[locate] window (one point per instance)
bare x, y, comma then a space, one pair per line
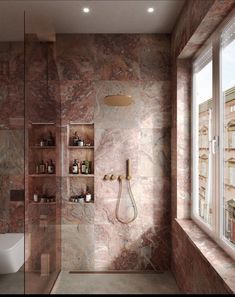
203, 107
232, 108
213, 137
232, 173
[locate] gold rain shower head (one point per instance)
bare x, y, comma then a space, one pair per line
118, 100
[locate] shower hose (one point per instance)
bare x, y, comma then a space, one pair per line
132, 201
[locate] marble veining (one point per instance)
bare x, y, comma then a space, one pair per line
137, 65
199, 264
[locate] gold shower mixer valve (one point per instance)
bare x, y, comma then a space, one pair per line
114, 177
110, 177
121, 177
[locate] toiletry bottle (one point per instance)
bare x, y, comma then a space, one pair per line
42, 167
80, 142
42, 142
75, 167
51, 167
83, 171
87, 167
75, 139
88, 195
50, 139
35, 196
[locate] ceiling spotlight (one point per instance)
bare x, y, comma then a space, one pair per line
86, 9
150, 10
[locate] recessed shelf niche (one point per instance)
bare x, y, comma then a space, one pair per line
78, 183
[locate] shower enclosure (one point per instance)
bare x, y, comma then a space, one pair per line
42, 161
30, 178
55, 112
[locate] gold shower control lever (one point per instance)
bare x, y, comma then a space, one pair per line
106, 177
113, 177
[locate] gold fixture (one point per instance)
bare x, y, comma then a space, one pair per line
128, 169
106, 177
118, 100
121, 177
113, 177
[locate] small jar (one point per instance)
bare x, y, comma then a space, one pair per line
42, 143
80, 142
35, 197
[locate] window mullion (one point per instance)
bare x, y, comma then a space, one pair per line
217, 118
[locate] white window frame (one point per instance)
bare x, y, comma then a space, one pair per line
215, 230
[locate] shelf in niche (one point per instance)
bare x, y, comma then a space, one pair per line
77, 203
80, 147
43, 123
74, 123
42, 175
81, 175
42, 147
43, 203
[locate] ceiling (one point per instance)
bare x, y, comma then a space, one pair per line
106, 16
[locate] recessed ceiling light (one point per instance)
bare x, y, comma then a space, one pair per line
150, 9
86, 9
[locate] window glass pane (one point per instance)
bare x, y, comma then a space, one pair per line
228, 97
203, 133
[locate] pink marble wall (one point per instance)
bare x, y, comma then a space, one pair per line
194, 274
11, 135
181, 140
197, 20
89, 67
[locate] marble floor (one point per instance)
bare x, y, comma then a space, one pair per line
115, 283
12, 283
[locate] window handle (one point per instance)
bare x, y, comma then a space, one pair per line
215, 144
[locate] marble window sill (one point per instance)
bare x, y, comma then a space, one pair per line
213, 254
